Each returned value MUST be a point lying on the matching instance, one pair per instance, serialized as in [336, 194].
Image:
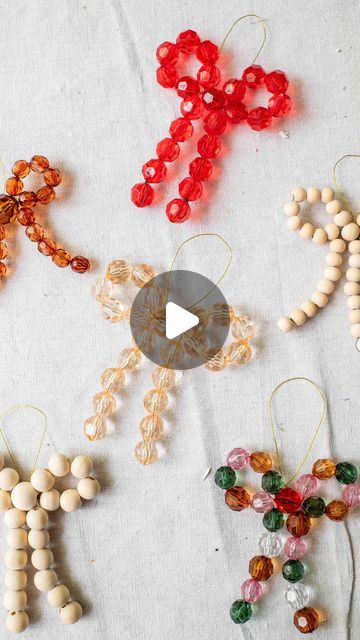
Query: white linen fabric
[159, 555]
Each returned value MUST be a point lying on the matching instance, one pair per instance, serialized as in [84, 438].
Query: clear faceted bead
[104, 403]
[270, 544]
[297, 596]
[152, 427]
[251, 590]
[113, 309]
[118, 271]
[95, 428]
[242, 328]
[102, 288]
[156, 401]
[163, 378]
[113, 380]
[129, 359]
[146, 452]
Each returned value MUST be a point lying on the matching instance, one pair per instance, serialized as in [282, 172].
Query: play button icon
[180, 319]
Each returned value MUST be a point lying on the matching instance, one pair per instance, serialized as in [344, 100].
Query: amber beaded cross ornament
[18, 205]
[217, 105]
[296, 508]
[26, 506]
[237, 351]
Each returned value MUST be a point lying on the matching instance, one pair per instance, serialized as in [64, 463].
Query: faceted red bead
[190, 189]
[178, 210]
[200, 169]
[234, 89]
[186, 86]
[181, 129]
[276, 82]
[192, 107]
[188, 41]
[253, 76]
[142, 194]
[154, 170]
[280, 105]
[167, 53]
[288, 501]
[215, 122]
[236, 111]
[259, 118]
[209, 146]
[167, 76]
[213, 99]
[208, 76]
[207, 52]
[167, 150]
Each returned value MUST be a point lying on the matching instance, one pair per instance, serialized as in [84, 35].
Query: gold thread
[316, 432]
[262, 22]
[336, 183]
[12, 409]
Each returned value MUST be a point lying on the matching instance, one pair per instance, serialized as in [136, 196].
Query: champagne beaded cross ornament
[26, 507]
[297, 508]
[217, 108]
[156, 401]
[17, 204]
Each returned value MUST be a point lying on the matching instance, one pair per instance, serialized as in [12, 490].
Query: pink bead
[307, 485]
[262, 502]
[351, 494]
[251, 590]
[238, 459]
[295, 548]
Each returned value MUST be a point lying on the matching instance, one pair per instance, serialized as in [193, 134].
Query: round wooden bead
[285, 324]
[354, 246]
[299, 194]
[292, 208]
[14, 518]
[88, 488]
[353, 275]
[313, 195]
[307, 231]
[353, 302]
[5, 500]
[17, 621]
[59, 465]
[354, 260]
[71, 613]
[8, 478]
[45, 580]
[15, 600]
[294, 223]
[343, 218]
[17, 538]
[58, 596]
[50, 500]
[298, 317]
[37, 518]
[338, 245]
[81, 467]
[320, 236]
[354, 316]
[24, 496]
[15, 580]
[326, 286]
[355, 330]
[42, 559]
[332, 273]
[327, 195]
[38, 539]
[319, 298]
[42, 480]
[333, 259]
[15, 559]
[332, 231]
[352, 288]
[350, 232]
[333, 207]
[309, 308]
[70, 500]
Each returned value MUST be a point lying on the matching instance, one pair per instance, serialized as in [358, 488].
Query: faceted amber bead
[337, 510]
[26, 216]
[142, 194]
[27, 198]
[79, 264]
[298, 524]
[190, 189]
[239, 353]
[306, 620]
[261, 568]
[45, 195]
[46, 247]
[141, 274]
[3, 270]
[14, 186]
[2, 233]
[21, 169]
[168, 150]
[129, 359]
[52, 177]
[209, 146]
[3, 250]
[178, 210]
[324, 469]
[181, 129]
[237, 498]
[167, 76]
[61, 258]
[8, 208]
[113, 380]
[104, 403]
[34, 232]
[152, 427]
[216, 359]
[95, 428]
[39, 164]
[260, 462]
[146, 452]
[163, 378]
[118, 271]
[156, 401]
[200, 169]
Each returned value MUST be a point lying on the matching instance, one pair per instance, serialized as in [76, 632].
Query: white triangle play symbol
[178, 320]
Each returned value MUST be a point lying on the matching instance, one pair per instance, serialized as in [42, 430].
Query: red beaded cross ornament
[217, 108]
[18, 204]
[297, 508]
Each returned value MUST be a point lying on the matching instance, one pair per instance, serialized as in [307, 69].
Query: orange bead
[3, 250]
[52, 177]
[261, 568]
[306, 620]
[27, 198]
[34, 232]
[8, 209]
[26, 216]
[298, 524]
[260, 462]
[324, 469]
[14, 186]
[21, 169]
[337, 510]
[61, 258]
[146, 452]
[3, 270]
[152, 427]
[237, 498]
[79, 264]
[45, 195]
[46, 247]
[39, 164]
[2, 233]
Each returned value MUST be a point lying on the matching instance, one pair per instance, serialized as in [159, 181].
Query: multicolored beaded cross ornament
[216, 108]
[17, 204]
[295, 507]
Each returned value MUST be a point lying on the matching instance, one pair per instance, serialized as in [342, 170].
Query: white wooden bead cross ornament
[26, 506]
[342, 233]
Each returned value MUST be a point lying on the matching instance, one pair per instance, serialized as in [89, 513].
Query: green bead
[225, 477]
[240, 611]
[293, 570]
[314, 507]
[272, 482]
[273, 520]
[346, 473]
